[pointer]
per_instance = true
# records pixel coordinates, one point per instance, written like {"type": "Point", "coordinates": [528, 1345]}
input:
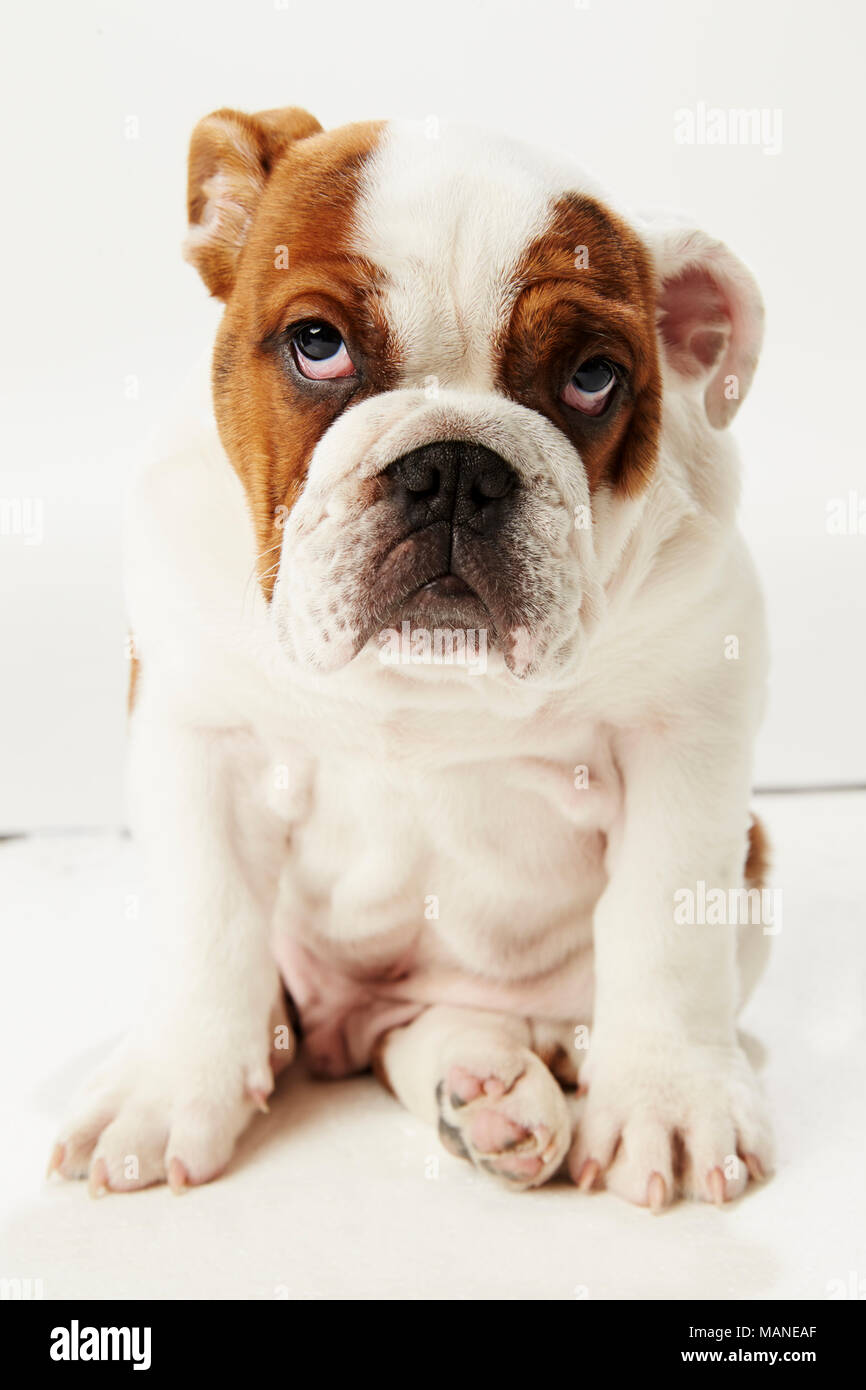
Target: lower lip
{"type": "Point", "coordinates": [448, 586]}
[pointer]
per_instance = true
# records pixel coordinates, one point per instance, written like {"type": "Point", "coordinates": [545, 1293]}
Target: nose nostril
{"type": "Point", "coordinates": [452, 479]}
{"type": "Point", "coordinates": [421, 483]}
{"type": "Point", "coordinates": [490, 485]}
{"type": "Point", "coordinates": [420, 479]}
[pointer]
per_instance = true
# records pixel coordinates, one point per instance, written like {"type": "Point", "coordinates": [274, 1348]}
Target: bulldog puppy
{"type": "Point", "coordinates": [450, 664]}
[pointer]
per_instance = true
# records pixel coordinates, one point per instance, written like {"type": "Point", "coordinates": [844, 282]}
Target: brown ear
{"type": "Point", "coordinates": [231, 156]}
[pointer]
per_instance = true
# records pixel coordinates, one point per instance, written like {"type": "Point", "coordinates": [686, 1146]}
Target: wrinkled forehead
{"type": "Point", "coordinates": [430, 237]}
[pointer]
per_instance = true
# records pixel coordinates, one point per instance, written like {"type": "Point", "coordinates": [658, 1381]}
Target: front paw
{"type": "Point", "coordinates": [168, 1109]}
{"type": "Point", "coordinates": [685, 1120]}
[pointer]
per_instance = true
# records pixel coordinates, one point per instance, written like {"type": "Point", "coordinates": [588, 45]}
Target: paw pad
{"type": "Point", "coordinates": [517, 1130]}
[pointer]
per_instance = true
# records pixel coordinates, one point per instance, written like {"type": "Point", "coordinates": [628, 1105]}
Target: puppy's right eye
{"type": "Point", "coordinates": [320, 352]}
{"type": "Point", "coordinates": [590, 386]}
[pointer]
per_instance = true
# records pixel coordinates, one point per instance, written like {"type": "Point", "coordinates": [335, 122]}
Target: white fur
{"type": "Point", "coordinates": [328, 799]}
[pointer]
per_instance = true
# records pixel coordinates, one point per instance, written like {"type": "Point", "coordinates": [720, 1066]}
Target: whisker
{"type": "Point", "coordinates": [260, 578]}
{"type": "Point", "coordinates": [276, 546]}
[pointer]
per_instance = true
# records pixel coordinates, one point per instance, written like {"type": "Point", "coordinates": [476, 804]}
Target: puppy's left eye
{"type": "Point", "coordinates": [320, 352]}
{"type": "Point", "coordinates": [590, 386]}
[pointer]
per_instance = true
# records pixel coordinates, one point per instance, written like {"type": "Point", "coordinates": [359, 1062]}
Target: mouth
{"type": "Point", "coordinates": [441, 579]}
{"type": "Point", "coordinates": [445, 602]}
{"type": "Point", "coordinates": [421, 580]}
{"type": "Point", "coordinates": [447, 586]}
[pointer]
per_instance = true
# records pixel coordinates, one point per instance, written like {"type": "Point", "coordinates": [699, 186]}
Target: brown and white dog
{"type": "Point", "coordinates": [451, 664]}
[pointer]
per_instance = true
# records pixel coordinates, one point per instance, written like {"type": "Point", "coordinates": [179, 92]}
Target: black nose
{"type": "Point", "coordinates": [452, 479]}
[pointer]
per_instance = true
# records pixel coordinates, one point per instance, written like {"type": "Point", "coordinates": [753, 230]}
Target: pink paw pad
{"type": "Point", "coordinates": [492, 1132]}
{"type": "Point", "coordinates": [464, 1087]}
{"type": "Point", "coordinates": [496, 1138]}
{"type": "Point", "coordinates": [509, 1119]}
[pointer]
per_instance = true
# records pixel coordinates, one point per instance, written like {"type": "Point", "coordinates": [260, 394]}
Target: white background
{"type": "Point", "coordinates": [102, 320]}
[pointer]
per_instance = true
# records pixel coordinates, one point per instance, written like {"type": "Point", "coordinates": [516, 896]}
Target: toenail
{"type": "Point", "coordinates": [97, 1183]}
{"type": "Point", "coordinates": [656, 1192]}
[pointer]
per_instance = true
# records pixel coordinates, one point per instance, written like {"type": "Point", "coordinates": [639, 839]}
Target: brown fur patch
{"type": "Point", "coordinates": [758, 855]}
{"type": "Point", "coordinates": [132, 688]}
{"type": "Point", "coordinates": [296, 263]}
{"type": "Point", "coordinates": [558, 1061]}
{"type": "Point", "coordinates": [565, 313]}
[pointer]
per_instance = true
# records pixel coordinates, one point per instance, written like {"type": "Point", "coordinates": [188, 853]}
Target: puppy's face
{"type": "Point", "coordinates": [440, 357]}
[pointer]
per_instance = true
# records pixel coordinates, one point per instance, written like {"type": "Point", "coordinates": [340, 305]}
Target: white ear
{"type": "Point", "coordinates": [710, 314]}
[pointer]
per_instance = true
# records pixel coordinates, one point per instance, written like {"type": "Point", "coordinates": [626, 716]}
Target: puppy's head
{"type": "Point", "coordinates": [442, 358]}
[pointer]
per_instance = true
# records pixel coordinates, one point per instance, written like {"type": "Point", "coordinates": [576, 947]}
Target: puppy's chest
{"type": "Point", "coordinates": [484, 859]}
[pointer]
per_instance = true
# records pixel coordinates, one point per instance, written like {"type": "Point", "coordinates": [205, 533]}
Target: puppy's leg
{"type": "Point", "coordinates": [473, 1074]}
{"type": "Point", "coordinates": [174, 1098]}
{"type": "Point", "coordinates": [673, 1104]}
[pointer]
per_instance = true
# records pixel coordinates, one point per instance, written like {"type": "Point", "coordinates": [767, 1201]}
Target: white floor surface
{"type": "Point", "coordinates": [340, 1194]}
